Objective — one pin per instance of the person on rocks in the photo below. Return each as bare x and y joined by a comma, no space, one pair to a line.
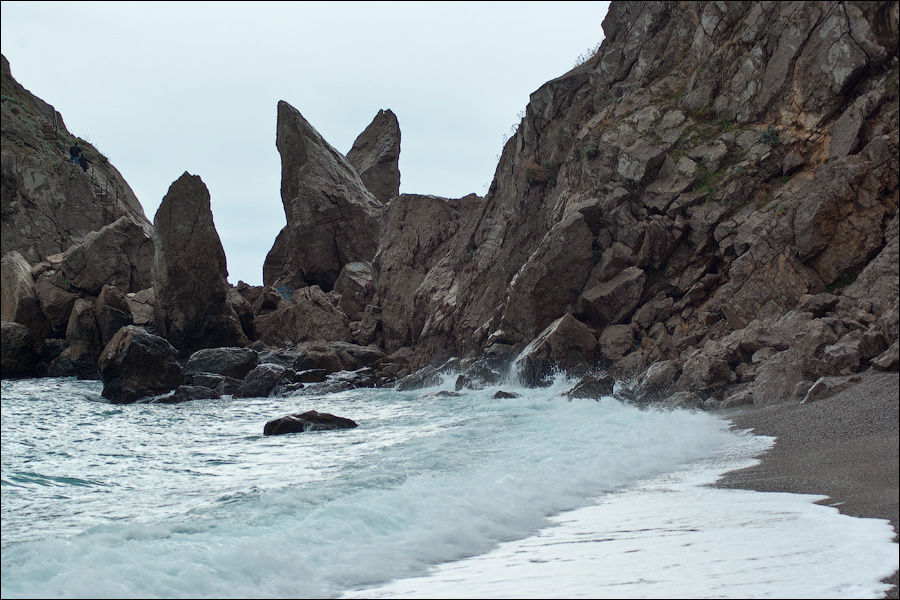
83,162
75,153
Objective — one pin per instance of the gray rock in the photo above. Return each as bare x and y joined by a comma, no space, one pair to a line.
17,352
230,362
309,421
136,364
190,274
376,155
260,382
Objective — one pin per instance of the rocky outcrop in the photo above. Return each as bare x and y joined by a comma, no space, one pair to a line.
20,303
17,356
683,195
48,203
308,315
309,421
376,156
229,362
565,343
332,219
136,364
191,307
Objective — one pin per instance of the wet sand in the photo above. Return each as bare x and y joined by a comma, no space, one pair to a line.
845,447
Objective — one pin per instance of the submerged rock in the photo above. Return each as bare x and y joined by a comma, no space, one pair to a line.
309,421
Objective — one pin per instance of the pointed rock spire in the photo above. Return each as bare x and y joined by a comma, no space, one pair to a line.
332,219
190,275
376,155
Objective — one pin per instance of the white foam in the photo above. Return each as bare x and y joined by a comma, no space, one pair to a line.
674,537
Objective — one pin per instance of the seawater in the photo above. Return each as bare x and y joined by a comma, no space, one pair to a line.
433,495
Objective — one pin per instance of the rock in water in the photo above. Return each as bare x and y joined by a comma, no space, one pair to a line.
136,364
18,358
376,156
308,421
332,219
190,275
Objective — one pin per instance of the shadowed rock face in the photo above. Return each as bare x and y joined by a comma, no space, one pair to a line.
332,219
189,272
136,364
376,156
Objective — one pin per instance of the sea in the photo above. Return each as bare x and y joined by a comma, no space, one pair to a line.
436,494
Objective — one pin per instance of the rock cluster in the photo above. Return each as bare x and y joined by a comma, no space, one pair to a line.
705,211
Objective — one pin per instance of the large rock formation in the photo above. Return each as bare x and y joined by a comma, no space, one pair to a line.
190,275
48,203
708,169
332,219
66,232
376,156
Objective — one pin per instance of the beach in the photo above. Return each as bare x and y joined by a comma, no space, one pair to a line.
844,447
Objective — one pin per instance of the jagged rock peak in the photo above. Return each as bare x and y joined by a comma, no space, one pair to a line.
376,156
332,219
190,272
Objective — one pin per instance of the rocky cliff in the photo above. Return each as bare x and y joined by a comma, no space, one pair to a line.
706,209
706,172
66,233
48,203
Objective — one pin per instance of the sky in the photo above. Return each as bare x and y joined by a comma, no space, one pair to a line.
166,87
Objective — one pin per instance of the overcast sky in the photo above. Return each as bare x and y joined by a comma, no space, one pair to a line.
168,87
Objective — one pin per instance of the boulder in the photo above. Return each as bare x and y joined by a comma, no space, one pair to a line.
119,254
356,285
592,386
184,393
19,301
659,378
140,304
332,219
136,364
260,382
612,301
190,274
616,341
84,340
112,312
220,383
17,351
889,360
309,421
376,156
565,343
230,362
308,316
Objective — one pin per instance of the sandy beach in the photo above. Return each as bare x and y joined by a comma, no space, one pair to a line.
845,447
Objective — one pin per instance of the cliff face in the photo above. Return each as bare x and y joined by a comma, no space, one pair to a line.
48,203
66,233
712,164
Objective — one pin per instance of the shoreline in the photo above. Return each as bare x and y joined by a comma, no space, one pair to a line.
844,447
